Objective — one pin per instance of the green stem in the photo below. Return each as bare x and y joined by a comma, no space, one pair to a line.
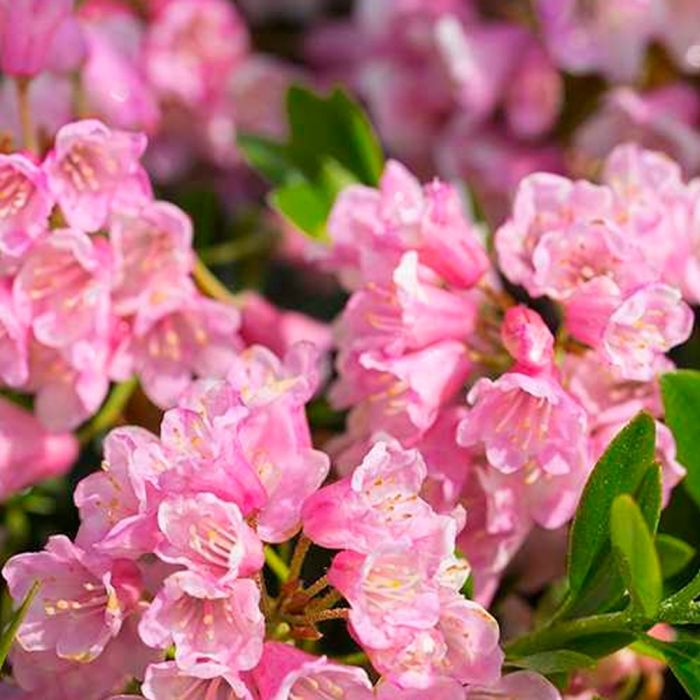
210,284
110,412
686,595
277,565
316,587
685,614
554,636
25,115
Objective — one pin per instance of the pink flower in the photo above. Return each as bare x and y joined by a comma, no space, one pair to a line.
278,329
25,204
440,688
13,341
679,33
584,40
28,453
285,673
390,591
45,676
209,537
191,45
545,205
215,631
523,685
377,506
62,289
527,339
166,681
67,391
113,77
177,335
410,313
662,119
371,229
275,436
525,422
402,394
116,506
535,94
463,646
82,602
631,333
89,167
152,249
37,35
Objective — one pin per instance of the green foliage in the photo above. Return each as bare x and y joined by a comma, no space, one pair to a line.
633,546
549,662
683,658
8,635
681,395
626,467
674,555
331,145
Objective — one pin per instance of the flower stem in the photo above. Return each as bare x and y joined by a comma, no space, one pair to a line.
300,552
277,565
316,587
325,602
110,412
210,284
24,110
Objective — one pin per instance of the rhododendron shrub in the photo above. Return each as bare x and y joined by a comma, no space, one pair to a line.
291,409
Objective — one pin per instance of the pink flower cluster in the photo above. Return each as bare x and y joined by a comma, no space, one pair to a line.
170,551
427,317
478,94
96,280
181,71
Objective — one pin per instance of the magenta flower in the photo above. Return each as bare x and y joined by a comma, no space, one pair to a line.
62,289
28,453
89,167
38,35
83,601
25,204
209,537
215,631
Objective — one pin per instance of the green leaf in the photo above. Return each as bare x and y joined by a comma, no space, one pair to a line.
674,555
8,636
302,205
268,157
620,470
634,549
681,395
549,662
332,127
683,658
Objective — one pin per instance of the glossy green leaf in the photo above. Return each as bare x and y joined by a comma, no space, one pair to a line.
8,635
548,662
270,158
683,658
634,548
674,555
620,470
681,395
303,206
332,126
